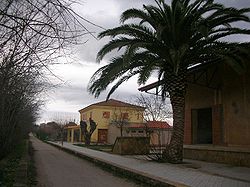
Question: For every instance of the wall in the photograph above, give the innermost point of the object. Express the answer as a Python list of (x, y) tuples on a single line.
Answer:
[(131, 146), (160, 137), (97, 115), (96, 112), (197, 97), (225, 155), (236, 99), (165, 134), (114, 132)]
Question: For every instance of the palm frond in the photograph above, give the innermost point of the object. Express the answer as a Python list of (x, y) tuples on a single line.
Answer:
[(118, 44), (140, 14), (132, 30), (120, 81), (169, 38)]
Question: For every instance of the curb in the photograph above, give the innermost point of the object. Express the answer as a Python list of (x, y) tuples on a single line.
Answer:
[(123, 171)]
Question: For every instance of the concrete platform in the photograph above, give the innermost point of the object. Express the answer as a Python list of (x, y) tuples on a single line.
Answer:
[(237, 156), (190, 173)]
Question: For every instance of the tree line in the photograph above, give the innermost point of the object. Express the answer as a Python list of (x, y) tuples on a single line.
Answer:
[(34, 34)]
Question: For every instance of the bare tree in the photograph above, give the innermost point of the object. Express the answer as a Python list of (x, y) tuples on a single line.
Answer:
[(34, 34), (18, 107), (155, 108), (87, 133), (61, 120)]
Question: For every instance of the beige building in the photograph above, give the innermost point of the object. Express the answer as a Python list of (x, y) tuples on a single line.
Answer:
[(217, 115), (110, 116), (217, 107)]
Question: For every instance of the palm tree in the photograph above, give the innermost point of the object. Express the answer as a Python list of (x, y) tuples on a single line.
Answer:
[(169, 39)]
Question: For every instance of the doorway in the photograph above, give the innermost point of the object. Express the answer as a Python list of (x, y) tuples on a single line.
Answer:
[(202, 126), (102, 135)]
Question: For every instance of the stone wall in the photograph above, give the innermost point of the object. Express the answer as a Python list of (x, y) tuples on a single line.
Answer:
[(131, 145), (225, 155)]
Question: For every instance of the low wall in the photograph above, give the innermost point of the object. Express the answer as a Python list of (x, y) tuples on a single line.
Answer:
[(131, 145), (225, 155)]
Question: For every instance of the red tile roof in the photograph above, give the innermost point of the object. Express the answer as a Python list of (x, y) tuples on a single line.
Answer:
[(158, 124), (70, 124), (113, 102), (152, 125)]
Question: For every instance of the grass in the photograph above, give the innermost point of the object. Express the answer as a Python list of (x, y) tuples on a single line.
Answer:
[(31, 166), (17, 167), (105, 148)]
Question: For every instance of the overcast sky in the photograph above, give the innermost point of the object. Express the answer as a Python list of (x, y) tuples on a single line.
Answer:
[(72, 93)]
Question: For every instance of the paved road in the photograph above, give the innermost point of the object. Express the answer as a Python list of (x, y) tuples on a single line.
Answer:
[(56, 168)]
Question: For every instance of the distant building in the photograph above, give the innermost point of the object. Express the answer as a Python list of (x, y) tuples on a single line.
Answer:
[(50, 127), (49, 130)]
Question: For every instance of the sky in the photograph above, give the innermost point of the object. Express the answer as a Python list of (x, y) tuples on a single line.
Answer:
[(70, 94)]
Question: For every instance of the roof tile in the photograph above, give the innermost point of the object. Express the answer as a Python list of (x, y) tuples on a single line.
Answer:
[(113, 102)]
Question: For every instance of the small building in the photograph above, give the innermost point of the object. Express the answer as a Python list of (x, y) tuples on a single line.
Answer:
[(73, 132), (160, 132)]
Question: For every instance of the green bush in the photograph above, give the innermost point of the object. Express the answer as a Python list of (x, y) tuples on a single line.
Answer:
[(10, 163)]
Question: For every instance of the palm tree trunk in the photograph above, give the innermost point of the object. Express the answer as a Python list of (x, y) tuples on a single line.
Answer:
[(174, 151), (176, 86)]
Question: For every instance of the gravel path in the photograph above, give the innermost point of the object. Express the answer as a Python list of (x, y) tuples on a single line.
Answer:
[(56, 168)]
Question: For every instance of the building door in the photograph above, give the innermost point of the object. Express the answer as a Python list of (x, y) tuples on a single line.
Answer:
[(102, 135), (202, 126)]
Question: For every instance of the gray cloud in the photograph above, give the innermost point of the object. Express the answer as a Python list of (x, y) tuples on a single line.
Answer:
[(73, 95), (107, 20), (235, 3)]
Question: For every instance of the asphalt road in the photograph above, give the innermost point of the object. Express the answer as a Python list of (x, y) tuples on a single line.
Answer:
[(56, 168)]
